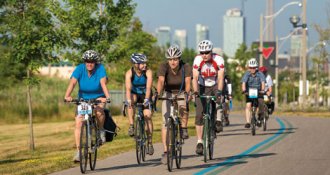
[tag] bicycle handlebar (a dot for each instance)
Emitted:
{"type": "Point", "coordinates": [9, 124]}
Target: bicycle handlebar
{"type": "Point", "coordinates": [90, 101]}
{"type": "Point", "coordinates": [171, 98]}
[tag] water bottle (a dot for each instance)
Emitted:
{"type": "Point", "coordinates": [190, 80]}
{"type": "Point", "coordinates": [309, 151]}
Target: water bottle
{"type": "Point", "coordinates": [230, 104]}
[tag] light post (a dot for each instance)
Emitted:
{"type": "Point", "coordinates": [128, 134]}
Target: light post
{"type": "Point", "coordinates": [271, 17]}
{"type": "Point", "coordinates": [295, 20]}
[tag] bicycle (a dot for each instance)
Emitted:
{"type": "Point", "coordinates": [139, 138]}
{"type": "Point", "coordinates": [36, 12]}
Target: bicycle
{"type": "Point", "coordinates": [209, 134]}
{"type": "Point", "coordinates": [224, 107]}
{"type": "Point", "coordinates": [253, 96]}
{"type": "Point", "coordinates": [266, 112]}
{"type": "Point", "coordinates": [90, 139]}
{"type": "Point", "coordinates": [139, 132]}
{"type": "Point", "coordinates": [174, 140]}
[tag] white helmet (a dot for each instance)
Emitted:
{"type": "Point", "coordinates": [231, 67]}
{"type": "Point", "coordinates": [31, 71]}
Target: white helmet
{"type": "Point", "coordinates": [205, 46]}
{"type": "Point", "coordinates": [91, 55]}
{"type": "Point", "coordinates": [173, 52]}
{"type": "Point", "coordinates": [252, 62]}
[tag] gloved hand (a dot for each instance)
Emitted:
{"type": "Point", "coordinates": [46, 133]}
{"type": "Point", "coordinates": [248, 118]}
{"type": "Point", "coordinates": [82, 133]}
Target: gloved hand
{"type": "Point", "coordinates": [146, 102]}
{"type": "Point", "coordinates": [129, 103]}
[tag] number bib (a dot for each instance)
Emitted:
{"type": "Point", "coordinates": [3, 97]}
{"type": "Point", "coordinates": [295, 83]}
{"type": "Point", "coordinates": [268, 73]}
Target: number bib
{"type": "Point", "coordinates": [253, 93]}
{"type": "Point", "coordinates": [84, 109]}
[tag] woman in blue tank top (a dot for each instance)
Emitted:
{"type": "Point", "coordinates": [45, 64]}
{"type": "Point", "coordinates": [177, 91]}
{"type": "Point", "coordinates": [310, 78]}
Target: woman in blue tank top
{"type": "Point", "coordinates": [138, 81]}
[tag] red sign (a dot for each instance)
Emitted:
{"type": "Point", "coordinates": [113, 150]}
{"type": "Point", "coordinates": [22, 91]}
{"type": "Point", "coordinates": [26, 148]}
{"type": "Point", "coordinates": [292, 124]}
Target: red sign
{"type": "Point", "coordinates": [266, 52]}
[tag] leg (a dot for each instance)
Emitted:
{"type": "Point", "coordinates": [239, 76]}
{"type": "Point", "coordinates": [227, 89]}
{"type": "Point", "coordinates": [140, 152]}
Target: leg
{"type": "Point", "coordinates": [131, 113]}
{"type": "Point", "coordinates": [184, 117]}
{"type": "Point", "coordinates": [248, 114]}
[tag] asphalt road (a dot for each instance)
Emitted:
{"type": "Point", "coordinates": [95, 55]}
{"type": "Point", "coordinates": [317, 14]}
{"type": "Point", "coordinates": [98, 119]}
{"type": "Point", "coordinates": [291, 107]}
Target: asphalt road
{"type": "Point", "coordinates": [291, 145]}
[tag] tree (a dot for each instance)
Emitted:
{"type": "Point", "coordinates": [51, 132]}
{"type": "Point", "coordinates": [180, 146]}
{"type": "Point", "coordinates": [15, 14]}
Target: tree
{"type": "Point", "coordinates": [28, 30]}
{"type": "Point", "coordinates": [94, 25]}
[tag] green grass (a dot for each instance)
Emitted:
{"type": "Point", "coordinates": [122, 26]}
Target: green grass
{"type": "Point", "coordinates": [55, 148]}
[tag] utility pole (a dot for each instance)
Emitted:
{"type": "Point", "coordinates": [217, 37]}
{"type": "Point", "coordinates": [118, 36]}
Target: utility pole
{"type": "Point", "coordinates": [261, 40]}
{"type": "Point", "coordinates": [276, 72]}
{"type": "Point", "coordinates": [269, 21]}
{"type": "Point", "coordinates": [304, 58]}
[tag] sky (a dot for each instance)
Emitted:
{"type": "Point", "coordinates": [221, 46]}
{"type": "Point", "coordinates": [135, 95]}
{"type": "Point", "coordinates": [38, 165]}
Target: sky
{"type": "Point", "coordinates": [185, 14]}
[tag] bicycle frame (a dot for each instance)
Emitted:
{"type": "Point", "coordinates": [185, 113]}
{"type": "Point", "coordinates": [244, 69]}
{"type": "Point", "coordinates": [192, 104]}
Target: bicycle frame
{"type": "Point", "coordinates": [208, 129]}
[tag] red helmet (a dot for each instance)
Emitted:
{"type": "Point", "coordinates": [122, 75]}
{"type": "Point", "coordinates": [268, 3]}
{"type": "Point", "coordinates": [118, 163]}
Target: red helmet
{"type": "Point", "coordinates": [263, 69]}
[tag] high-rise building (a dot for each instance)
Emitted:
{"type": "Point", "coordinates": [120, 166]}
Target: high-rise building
{"type": "Point", "coordinates": [202, 33]}
{"type": "Point", "coordinates": [233, 32]}
{"type": "Point", "coordinates": [163, 35]}
{"type": "Point", "coordinates": [180, 38]}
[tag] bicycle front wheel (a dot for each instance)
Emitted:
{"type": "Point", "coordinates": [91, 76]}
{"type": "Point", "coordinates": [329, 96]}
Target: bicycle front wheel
{"type": "Point", "coordinates": [170, 143]}
{"type": "Point", "coordinates": [178, 147]}
{"type": "Point", "coordinates": [83, 148]}
{"type": "Point", "coordinates": [264, 121]}
{"type": "Point", "coordinates": [212, 136]}
{"type": "Point", "coordinates": [138, 141]}
{"type": "Point", "coordinates": [143, 141]}
{"type": "Point", "coordinates": [94, 145]}
{"type": "Point", "coordinates": [253, 124]}
{"type": "Point", "coordinates": [206, 138]}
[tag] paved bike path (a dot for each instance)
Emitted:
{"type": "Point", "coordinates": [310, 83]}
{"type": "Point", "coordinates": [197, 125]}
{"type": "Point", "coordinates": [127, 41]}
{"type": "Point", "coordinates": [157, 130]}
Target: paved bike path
{"type": "Point", "coordinates": [288, 142]}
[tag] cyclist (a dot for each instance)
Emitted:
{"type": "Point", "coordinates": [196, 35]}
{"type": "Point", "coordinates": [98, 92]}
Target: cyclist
{"type": "Point", "coordinates": [208, 76]}
{"type": "Point", "coordinates": [253, 79]}
{"type": "Point", "coordinates": [92, 78]}
{"type": "Point", "coordinates": [227, 96]}
{"type": "Point", "coordinates": [268, 88]}
{"type": "Point", "coordinates": [174, 77]}
{"type": "Point", "coordinates": [138, 82]}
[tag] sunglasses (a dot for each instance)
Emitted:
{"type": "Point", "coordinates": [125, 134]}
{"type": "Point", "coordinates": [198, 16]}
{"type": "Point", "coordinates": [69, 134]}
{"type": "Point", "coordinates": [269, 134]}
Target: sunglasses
{"type": "Point", "coordinates": [173, 59]}
{"type": "Point", "coordinates": [252, 67]}
{"type": "Point", "coordinates": [90, 61]}
{"type": "Point", "coordinates": [205, 53]}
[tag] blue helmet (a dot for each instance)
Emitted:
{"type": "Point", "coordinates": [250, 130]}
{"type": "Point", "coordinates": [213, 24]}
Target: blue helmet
{"type": "Point", "coordinates": [138, 58]}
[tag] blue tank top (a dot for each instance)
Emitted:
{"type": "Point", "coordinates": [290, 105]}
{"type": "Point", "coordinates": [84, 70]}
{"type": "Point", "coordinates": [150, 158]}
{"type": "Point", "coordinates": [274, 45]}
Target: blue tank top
{"type": "Point", "coordinates": [139, 83]}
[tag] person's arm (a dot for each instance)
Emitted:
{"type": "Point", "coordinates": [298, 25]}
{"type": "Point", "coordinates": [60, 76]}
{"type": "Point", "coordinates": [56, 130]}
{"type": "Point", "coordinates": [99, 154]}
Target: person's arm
{"type": "Point", "coordinates": [128, 85]}
{"type": "Point", "coordinates": [243, 87]}
{"type": "Point", "coordinates": [160, 84]}
{"type": "Point", "coordinates": [149, 83]}
{"type": "Point", "coordinates": [187, 79]}
{"type": "Point", "coordinates": [72, 84]}
{"type": "Point", "coordinates": [221, 74]}
{"type": "Point", "coordinates": [103, 82]}
{"type": "Point", "coordinates": [195, 80]}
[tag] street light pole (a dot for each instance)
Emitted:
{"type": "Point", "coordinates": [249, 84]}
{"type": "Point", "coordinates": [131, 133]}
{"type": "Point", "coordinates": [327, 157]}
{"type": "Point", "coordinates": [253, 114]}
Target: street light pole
{"type": "Point", "coordinates": [304, 58]}
{"type": "Point", "coordinates": [261, 40]}
{"type": "Point", "coordinates": [276, 72]}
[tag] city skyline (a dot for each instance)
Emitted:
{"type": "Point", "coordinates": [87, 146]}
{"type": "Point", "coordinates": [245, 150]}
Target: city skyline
{"type": "Point", "coordinates": [184, 16]}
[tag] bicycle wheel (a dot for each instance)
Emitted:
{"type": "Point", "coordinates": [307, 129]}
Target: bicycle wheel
{"type": "Point", "coordinates": [264, 121]}
{"type": "Point", "coordinates": [170, 143]}
{"type": "Point", "coordinates": [138, 141]}
{"type": "Point", "coordinates": [94, 139]}
{"type": "Point", "coordinates": [83, 148]}
{"type": "Point", "coordinates": [253, 124]}
{"type": "Point", "coordinates": [212, 136]}
{"type": "Point", "coordinates": [143, 140]}
{"type": "Point", "coordinates": [178, 147]}
{"type": "Point", "coordinates": [206, 137]}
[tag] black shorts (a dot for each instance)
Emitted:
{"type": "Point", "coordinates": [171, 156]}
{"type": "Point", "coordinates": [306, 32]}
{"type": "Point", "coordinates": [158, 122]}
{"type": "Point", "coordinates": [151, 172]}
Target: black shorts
{"type": "Point", "coordinates": [140, 99]}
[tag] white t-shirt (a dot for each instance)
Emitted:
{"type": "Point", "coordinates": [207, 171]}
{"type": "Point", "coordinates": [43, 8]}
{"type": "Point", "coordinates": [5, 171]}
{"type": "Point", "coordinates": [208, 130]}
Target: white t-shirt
{"type": "Point", "coordinates": [269, 82]}
{"type": "Point", "coordinates": [208, 72]}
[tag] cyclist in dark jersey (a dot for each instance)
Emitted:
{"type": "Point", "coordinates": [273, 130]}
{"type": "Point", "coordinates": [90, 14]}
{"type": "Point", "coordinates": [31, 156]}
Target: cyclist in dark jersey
{"type": "Point", "coordinates": [138, 81]}
{"type": "Point", "coordinates": [227, 97]}
{"type": "Point", "coordinates": [174, 77]}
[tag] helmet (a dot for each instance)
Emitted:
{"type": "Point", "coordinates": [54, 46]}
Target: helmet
{"type": "Point", "coordinates": [138, 58]}
{"type": "Point", "coordinates": [173, 52]}
{"type": "Point", "coordinates": [205, 46]}
{"type": "Point", "coordinates": [263, 69]}
{"type": "Point", "coordinates": [91, 55]}
{"type": "Point", "coordinates": [252, 62]}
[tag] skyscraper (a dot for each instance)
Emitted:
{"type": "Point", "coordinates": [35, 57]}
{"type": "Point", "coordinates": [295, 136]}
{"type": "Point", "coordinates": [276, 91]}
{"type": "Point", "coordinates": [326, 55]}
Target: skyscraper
{"type": "Point", "coordinates": [180, 38]}
{"type": "Point", "coordinates": [202, 33]}
{"type": "Point", "coordinates": [233, 32]}
{"type": "Point", "coordinates": [163, 35]}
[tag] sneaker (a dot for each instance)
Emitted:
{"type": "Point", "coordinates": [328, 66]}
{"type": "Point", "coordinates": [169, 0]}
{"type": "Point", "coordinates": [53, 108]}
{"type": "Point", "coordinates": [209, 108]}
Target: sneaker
{"type": "Point", "coordinates": [102, 135]}
{"type": "Point", "coordinates": [199, 148]}
{"type": "Point", "coordinates": [150, 150]}
{"type": "Point", "coordinates": [247, 125]}
{"type": "Point", "coordinates": [163, 159]}
{"type": "Point", "coordinates": [76, 157]}
{"type": "Point", "coordinates": [184, 133]}
{"type": "Point", "coordinates": [227, 121]}
{"type": "Point", "coordinates": [218, 126]}
{"type": "Point", "coordinates": [131, 130]}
